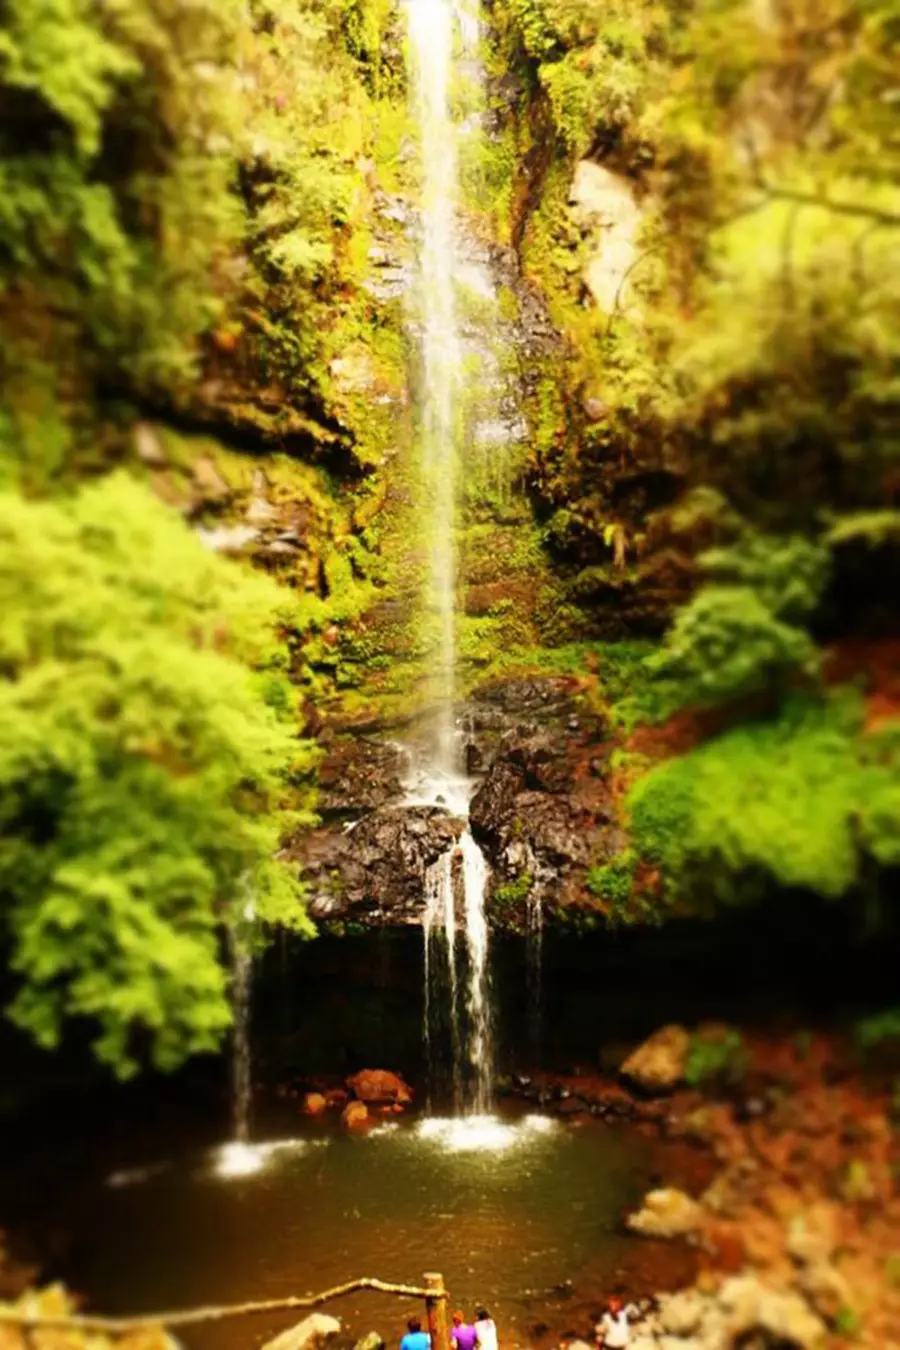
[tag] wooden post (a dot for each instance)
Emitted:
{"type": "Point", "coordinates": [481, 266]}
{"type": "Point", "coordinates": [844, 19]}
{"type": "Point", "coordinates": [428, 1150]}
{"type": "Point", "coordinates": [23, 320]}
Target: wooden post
{"type": "Point", "coordinates": [438, 1317]}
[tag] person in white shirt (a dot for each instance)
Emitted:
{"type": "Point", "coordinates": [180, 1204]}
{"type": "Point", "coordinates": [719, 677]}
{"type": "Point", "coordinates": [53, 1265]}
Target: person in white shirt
{"type": "Point", "coordinates": [485, 1330]}
{"type": "Point", "coordinates": [614, 1332]}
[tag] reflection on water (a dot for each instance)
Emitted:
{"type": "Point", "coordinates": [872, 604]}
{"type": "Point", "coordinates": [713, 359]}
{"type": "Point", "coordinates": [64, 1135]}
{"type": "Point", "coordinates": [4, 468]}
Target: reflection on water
{"type": "Point", "coordinates": [505, 1207]}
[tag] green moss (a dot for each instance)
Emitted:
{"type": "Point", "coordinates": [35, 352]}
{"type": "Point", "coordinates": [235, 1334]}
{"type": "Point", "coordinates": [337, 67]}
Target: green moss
{"type": "Point", "coordinates": [798, 801]}
{"type": "Point", "coordinates": [716, 1058]}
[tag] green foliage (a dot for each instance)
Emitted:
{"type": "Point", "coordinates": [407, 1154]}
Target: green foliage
{"type": "Point", "coordinates": [147, 770]}
{"type": "Point", "coordinates": [727, 644]}
{"type": "Point", "coordinates": [718, 1057]}
{"type": "Point", "coordinates": [612, 883]}
{"type": "Point", "coordinates": [883, 1026]}
{"type": "Point", "coordinates": [513, 894]}
{"type": "Point", "coordinates": [115, 171]}
{"type": "Point", "coordinates": [733, 816]}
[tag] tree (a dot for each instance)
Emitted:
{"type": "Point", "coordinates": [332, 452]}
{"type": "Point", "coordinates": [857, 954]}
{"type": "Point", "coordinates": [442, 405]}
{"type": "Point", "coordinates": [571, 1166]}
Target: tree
{"type": "Point", "coordinates": [149, 764]}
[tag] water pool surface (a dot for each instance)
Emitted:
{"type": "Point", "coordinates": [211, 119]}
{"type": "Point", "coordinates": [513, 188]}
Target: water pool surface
{"type": "Point", "coordinates": [507, 1211]}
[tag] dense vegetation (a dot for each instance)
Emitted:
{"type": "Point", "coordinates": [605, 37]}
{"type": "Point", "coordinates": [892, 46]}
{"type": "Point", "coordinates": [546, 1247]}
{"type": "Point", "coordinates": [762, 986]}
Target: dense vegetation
{"type": "Point", "coordinates": [745, 419]}
{"type": "Point", "coordinates": [195, 196]}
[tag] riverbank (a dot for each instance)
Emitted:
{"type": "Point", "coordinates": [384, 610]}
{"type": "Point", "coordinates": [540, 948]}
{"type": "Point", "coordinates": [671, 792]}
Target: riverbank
{"type": "Point", "coordinates": [797, 1235]}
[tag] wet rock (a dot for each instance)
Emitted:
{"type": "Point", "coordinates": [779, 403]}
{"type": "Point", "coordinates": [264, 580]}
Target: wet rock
{"type": "Point", "coordinates": [210, 487]}
{"type": "Point", "coordinates": [667, 1213]}
{"type": "Point", "coordinates": [314, 1104]}
{"type": "Point", "coordinates": [379, 1087]}
{"type": "Point", "coordinates": [657, 1066]}
{"type": "Point", "coordinates": [374, 872]}
{"type": "Point", "coordinates": [355, 1116]}
{"type": "Point", "coordinates": [312, 1333]}
{"type": "Point", "coordinates": [360, 774]}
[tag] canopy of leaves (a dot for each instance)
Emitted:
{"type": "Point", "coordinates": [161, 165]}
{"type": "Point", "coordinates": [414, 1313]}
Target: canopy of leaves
{"type": "Point", "coordinates": [147, 768]}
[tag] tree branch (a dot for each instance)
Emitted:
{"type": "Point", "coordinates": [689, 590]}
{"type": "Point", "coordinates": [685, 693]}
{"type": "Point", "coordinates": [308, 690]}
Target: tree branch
{"type": "Point", "coordinates": [121, 1325]}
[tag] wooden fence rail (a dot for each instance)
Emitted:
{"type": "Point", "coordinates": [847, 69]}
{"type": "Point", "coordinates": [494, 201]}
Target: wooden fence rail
{"type": "Point", "coordinates": [433, 1292]}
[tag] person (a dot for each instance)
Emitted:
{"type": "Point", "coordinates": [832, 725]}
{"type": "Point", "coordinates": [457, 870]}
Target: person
{"type": "Point", "coordinates": [613, 1332]}
{"type": "Point", "coordinates": [462, 1334]}
{"type": "Point", "coordinates": [415, 1338]}
{"type": "Point", "coordinates": [485, 1330]}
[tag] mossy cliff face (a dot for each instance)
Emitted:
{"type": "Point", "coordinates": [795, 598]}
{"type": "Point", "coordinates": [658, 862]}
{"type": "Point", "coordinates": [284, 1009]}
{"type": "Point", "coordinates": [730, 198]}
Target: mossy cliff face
{"type": "Point", "coordinates": [208, 256]}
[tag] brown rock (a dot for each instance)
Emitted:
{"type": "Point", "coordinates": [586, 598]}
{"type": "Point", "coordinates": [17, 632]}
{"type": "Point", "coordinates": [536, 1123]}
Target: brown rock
{"type": "Point", "coordinates": [379, 1087]}
{"type": "Point", "coordinates": [310, 1334]}
{"type": "Point", "coordinates": [667, 1213]}
{"type": "Point", "coordinates": [355, 1116]}
{"type": "Point", "coordinates": [658, 1064]}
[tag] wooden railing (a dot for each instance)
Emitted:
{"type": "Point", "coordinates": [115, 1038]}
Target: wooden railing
{"type": "Point", "coordinates": [433, 1292]}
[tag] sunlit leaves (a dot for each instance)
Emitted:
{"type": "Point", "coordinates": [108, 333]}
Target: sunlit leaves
{"type": "Point", "coordinates": [144, 781]}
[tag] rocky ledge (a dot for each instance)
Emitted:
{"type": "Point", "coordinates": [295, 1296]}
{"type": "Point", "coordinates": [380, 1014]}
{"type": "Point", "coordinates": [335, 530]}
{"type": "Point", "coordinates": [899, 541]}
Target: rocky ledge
{"type": "Point", "coordinates": [542, 809]}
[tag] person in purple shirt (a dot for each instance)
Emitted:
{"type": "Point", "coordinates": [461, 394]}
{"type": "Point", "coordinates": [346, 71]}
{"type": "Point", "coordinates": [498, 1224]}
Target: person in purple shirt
{"type": "Point", "coordinates": [415, 1338]}
{"type": "Point", "coordinates": [462, 1335]}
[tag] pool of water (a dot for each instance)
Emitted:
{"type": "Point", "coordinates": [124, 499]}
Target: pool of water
{"type": "Point", "coordinates": [509, 1210]}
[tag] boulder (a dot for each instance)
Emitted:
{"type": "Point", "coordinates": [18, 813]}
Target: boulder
{"type": "Point", "coordinates": [371, 1341]}
{"type": "Point", "coordinates": [374, 872]}
{"type": "Point", "coordinates": [751, 1306]}
{"type": "Point", "coordinates": [355, 1116]}
{"type": "Point", "coordinates": [658, 1065]}
{"type": "Point", "coordinates": [378, 1087]}
{"type": "Point", "coordinates": [827, 1289]}
{"type": "Point", "coordinates": [682, 1313]}
{"type": "Point", "coordinates": [667, 1213]}
{"type": "Point", "coordinates": [314, 1104]}
{"type": "Point", "coordinates": [312, 1333]}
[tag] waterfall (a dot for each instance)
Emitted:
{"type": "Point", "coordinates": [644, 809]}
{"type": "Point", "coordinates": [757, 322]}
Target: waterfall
{"type": "Point", "coordinates": [481, 1059]}
{"type": "Point", "coordinates": [441, 978]}
{"type": "Point", "coordinates": [456, 1028]}
{"type": "Point", "coordinates": [534, 973]}
{"type": "Point", "coordinates": [431, 32]}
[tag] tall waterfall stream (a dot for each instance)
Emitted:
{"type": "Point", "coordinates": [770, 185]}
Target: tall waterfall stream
{"type": "Point", "coordinates": [444, 33]}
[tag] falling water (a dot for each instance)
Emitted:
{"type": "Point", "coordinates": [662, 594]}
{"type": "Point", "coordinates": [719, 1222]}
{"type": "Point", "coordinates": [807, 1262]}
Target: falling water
{"type": "Point", "coordinates": [441, 980]}
{"type": "Point", "coordinates": [241, 984]}
{"type": "Point", "coordinates": [534, 975]}
{"type": "Point", "coordinates": [435, 29]}
{"type": "Point", "coordinates": [431, 31]}
{"type": "Point", "coordinates": [478, 1007]}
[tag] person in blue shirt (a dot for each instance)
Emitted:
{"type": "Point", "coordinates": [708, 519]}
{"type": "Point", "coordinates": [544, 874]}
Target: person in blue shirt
{"type": "Point", "coordinates": [415, 1338]}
